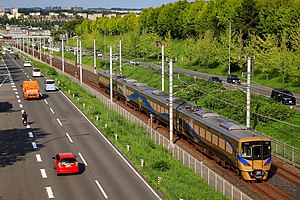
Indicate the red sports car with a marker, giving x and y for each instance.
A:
(65, 163)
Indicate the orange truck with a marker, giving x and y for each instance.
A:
(31, 90)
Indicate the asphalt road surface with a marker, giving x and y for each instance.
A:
(56, 125)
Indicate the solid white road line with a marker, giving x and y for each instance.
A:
(46, 101)
(34, 145)
(85, 163)
(59, 122)
(38, 157)
(69, 137)
(30, 134)
(101, 189)
(49, 192)
(52, 110)
(43, 172)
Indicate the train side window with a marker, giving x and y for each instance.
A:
(228, 148)
(191, 123)
(202, 132)
(151, 104)
(221, 143)
(196, 129)
(215, 139)
(208, 136)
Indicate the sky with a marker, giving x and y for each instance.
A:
(84, 3)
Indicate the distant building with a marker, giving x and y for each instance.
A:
(111, 15)
(35, 14)
(84, 15)
(77, 8)
(95, 16)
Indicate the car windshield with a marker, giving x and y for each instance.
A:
(66, 161)
(49, 82)
(287, 94)
(36, 70)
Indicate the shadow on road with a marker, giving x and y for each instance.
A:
(16, 143)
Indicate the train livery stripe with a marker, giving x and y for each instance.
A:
(268, 161)
(243, 161)
(193, 131)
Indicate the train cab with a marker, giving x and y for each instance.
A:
(254, 159)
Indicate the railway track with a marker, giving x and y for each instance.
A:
(269, 192)
(264, 190)
(287, 173)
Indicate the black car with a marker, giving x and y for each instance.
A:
(215, 79)
(232, 78)
(284, 96)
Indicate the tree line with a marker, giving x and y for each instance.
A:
(197, 35)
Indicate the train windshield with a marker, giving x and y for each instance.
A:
(256, 150)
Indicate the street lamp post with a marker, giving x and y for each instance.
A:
(228, 42)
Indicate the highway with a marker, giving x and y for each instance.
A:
(56, 125)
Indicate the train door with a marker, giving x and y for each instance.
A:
(257, 156)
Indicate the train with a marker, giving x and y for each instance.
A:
(231, 144)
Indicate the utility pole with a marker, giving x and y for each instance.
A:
(171, 102)
(248, 92)
(162, 68)
(62, 54)
(95, 60)
(110, 73)
(120, 57)
(80, 63)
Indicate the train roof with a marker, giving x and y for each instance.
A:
(210, 119)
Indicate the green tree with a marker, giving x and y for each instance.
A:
(207, 50)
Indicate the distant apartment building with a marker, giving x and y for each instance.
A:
(77, 8)
(95, 16)
(35, 14)
(111, 15)
(84, 15)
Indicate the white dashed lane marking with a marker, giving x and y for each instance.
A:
(46, 101)
(67, 134)
(19, 101)
(52, 110)
(50, 193)
(101, 189)
(34, 145)
(30, 134)
(38, 157)
(59, 122)
(21, 106)
(85, 163)
(43, 172)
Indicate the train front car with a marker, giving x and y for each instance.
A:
(254, 159)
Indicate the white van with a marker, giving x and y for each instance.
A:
(49, 85)
(36, 72)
